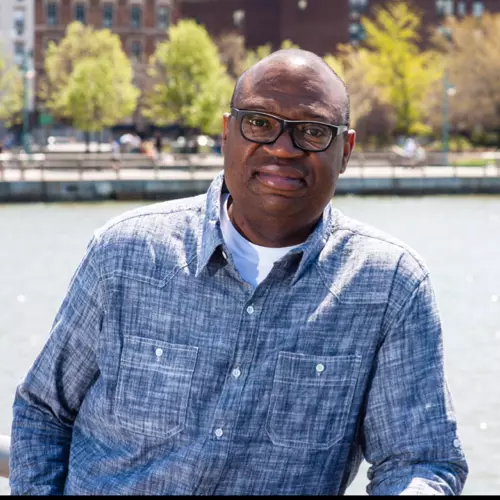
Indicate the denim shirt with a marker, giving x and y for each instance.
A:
(166, 373)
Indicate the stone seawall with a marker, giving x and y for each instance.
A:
(102, 190)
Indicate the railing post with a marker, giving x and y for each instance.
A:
(4, 455)
(2, 167)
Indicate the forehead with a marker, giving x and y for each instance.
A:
(296, 92)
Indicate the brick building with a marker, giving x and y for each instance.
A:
(139, 23)
(316, 25)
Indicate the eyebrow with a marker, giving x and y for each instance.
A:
(263, 107)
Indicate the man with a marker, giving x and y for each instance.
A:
(158, 144)
(250, 341)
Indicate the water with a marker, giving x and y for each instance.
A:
(459, 238)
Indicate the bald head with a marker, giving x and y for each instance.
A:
(293, 61)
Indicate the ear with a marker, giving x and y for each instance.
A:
(349, 143)
(225, 130)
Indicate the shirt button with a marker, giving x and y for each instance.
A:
(224, 254)
(236, 373)
(159, 352)
(456, 443)
(320, 367)
(219, 432)
(250, 310)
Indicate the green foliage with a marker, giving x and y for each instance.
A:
(190, 84)
(89, 79)
(254, 56)
(402, 73)
(456, 144)
(11, 93)
(336, 64)
(471, 55)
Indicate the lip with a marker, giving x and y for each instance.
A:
(280, 177)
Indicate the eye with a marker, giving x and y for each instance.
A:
(314, 131)
(258, 121)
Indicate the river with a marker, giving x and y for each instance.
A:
(458, 237)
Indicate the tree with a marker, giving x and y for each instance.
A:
(11, 93)
(373, 120)
(254, 56)
(397, 67)
(190, 84)
(89, 79)
(232, 52)
(470, 49)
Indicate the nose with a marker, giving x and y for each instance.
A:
(283, 147)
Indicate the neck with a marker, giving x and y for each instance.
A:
(268, 231)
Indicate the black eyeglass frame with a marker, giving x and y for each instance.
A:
(287, 125)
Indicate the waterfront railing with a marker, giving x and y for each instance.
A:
(96, 166)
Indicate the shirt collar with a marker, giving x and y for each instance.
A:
(211, 234)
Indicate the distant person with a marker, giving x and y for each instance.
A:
(217, 147)
(9, 141)
(410, 148)
(158, 144)
(115, 154)
(253, 340)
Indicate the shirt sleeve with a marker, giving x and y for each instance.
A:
(409, 429)
(47, 401)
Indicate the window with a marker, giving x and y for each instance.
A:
(107, 16)
(51, 14)
(80, 13)
(19, 22)
(238, 17)
(462, 8)
(446, 32)
(135, 17)
(477, 9)
(356, 32)
(445, 7)
(162, 18)
(19, 53)
(358, 5)
(136, 51)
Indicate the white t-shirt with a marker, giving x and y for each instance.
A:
(253, 262)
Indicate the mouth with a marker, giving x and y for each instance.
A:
(280, 178)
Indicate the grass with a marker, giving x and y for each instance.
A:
(476, 162)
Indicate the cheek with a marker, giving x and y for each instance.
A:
(238, 157)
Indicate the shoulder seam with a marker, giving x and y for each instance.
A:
(393, 243)
(134, 216)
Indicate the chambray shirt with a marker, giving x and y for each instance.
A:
(166, 373)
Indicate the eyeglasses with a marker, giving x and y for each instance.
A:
(263, 128)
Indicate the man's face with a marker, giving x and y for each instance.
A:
(279, 179)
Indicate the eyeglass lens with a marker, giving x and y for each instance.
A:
(265, 129)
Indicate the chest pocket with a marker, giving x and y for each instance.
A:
(310, 399)
(154, 382)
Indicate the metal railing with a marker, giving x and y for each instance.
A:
(102, 166)
(4, 455)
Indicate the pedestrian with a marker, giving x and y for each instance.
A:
(158, 144)
(115, 154)
(254, 340)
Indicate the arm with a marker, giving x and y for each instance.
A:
(409, 429)
(47, 400)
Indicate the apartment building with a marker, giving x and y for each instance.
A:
(316, 25)
(141, 24)
(17, 37)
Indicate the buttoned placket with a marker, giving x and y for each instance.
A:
(230, 400)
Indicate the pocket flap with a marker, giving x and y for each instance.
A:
(155, 354)
(305, 367)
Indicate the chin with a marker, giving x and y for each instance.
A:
(275, 204)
